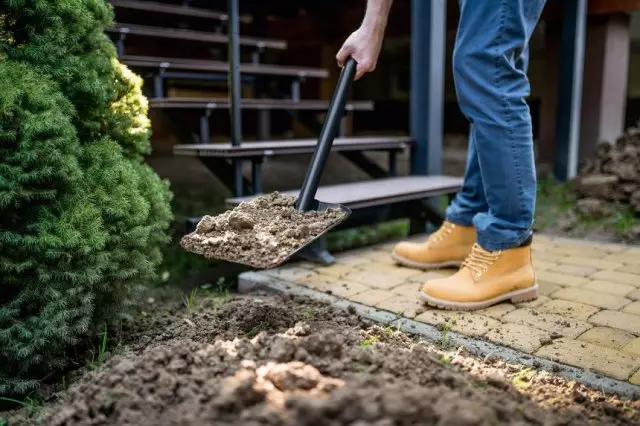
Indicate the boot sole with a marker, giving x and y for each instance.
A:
(425, 266)
(518, 296)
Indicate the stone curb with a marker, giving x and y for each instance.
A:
(255, 281)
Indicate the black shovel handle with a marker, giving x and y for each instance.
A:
(327, 135)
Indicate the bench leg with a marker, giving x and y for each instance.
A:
(204, 127)
(318, 252)
(238, 178)
(256, 175)
(393, 163)
(264, 124)
(120, 45)
(158, 85)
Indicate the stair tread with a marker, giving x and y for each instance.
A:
(379, 191)
(220, 66)
(254, 103)
(151, 6)
(194, 35)
(291, 146)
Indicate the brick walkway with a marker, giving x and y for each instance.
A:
(588, 315)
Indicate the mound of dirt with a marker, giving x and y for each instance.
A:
(612, 177)
(260, 233)
(242, 364)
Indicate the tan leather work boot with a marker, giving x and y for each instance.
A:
(446, 247)
(485, 278)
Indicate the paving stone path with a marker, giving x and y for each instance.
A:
(588, 314)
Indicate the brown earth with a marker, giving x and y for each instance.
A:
(273, 360)
(260, 233)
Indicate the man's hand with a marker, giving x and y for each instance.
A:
(364, 44)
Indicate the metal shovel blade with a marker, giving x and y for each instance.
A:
(306, 200)
(262, 252)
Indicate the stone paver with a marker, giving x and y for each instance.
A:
(632, 347)
(580, 271)
(340, 288)
(608, 287)
(561, 279)
(574, 310)
(546, 288)
(634, 295)
(471, 324)
(587, 261)
(632, 308)
(518, 336)
(552, 323)
(607, 336)
(587, 315)
(596, 358)
(617, 277)
(407, 306)
(497, 311)
(375, 279)
(619, 320)
(593, 298)
(628, 269)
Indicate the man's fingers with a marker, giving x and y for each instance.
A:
(342, 55)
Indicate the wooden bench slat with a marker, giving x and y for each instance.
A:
(291, 146)
(193, 35)
(254, 103)
(377, 192)
(151, 6)
(219, 66)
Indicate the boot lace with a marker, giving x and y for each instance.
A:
(479, 260)
(444, 231)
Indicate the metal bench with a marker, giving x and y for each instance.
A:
(178, 10)
(214, 156)
(375, 200)
(124, 30)
(198, 69)
(207, 106)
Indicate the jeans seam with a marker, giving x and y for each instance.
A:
(509, 116)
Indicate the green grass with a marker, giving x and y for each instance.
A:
(556, 201)
(33, 409)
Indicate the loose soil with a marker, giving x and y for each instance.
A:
(275, 360)
(260, 233)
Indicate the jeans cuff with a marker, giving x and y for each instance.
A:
(460, 219)
(491, 245)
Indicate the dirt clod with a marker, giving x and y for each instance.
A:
(260, 233)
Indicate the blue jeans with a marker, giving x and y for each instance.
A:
(490, 61)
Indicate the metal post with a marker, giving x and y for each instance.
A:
(428, 44)
(574, 23)
(120, 45)
(158, 84)
(204, 126)
(256, 175)
(295, 90)
(234, 89)
(393, 162)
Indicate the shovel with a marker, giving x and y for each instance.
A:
(306, 200)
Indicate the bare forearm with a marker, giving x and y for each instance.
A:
(376, 15)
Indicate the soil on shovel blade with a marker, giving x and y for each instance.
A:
(260, 233)
(273, 360)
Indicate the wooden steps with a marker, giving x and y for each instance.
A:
(179, 64)
(290, 147)
(254, 104)
(170, 9)
(379, 192)
(193, 35)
